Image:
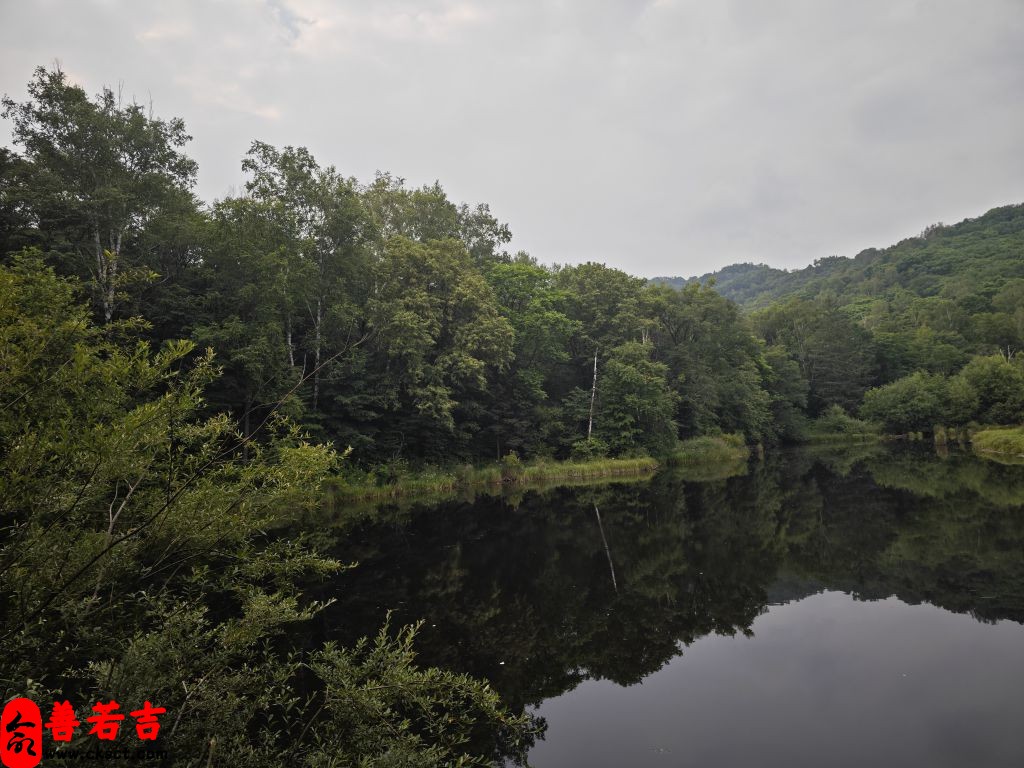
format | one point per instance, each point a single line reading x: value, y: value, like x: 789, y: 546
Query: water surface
x: 858, y: 607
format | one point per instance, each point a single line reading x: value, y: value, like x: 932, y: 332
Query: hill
x: 973, y: 258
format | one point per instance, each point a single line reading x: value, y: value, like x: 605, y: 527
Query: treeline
x: 395, y: 321
x: 378, y: 316
x: 968, y: 263
x: 929, y: 329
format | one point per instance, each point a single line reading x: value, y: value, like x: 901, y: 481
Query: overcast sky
x: 665, y: 137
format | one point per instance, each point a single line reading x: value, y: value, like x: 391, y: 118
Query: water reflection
x: 547, y: 591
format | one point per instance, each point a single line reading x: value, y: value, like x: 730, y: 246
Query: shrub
x: 590, y: 448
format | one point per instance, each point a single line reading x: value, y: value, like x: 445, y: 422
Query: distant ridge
x: 976, y: 256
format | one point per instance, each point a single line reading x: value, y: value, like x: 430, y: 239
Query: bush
x: 913, y: 403
x: 999, y: 387
x: 837, y: 421
x: 588, y: 449
x: 511, y: 467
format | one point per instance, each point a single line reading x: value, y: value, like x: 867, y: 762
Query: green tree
x: 437, y: 329
x: 999, y: 386
x: 323, y: 234
x: 524, y: 413
x: 713, y: 359
x: 637, y: 405
x: 100, y: 171
x: 915, y: 403
x: 835, y: 355
x: 135, y: 561
x: 787, y: 391
x: 243, y: 314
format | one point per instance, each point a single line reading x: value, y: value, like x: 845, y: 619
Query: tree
x: 713, y: 360
x: 100, y: 171
x: 999, y: 386
x: 417, y: 214
x: 637, y: 405
x: 915, y: 403
x: 483, y: 234
x: 787, y: 390
x: 16, y: 226
x: 244, y: 309
x: 324, y: 229
x: 135, y: 560
x: 523, y: 411
x: 437, y: 330
x: 835, y: 355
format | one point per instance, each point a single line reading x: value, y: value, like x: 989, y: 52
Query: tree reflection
x: 543, y: 593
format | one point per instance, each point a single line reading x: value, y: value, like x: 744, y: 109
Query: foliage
x: 98, y: 174
x: 911, y: 404
x: 589, y: 448
x: 988, y: 390
x: 136, y: 561
x: 837, y: 424
x: 834, y: 354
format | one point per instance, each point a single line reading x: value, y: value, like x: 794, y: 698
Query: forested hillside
x: 935, y: 323
x: 971, y: 259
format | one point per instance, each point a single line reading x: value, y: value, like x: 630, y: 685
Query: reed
x: 710, y: 449
x: 434, y: 481
x: 1007, y: 441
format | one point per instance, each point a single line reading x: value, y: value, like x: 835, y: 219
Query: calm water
x: 840, y: 609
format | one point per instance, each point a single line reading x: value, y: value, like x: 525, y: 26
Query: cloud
x: 661, y: 137
x: 164, y: 31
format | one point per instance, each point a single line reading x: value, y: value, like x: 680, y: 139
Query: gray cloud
x: 666, y: 137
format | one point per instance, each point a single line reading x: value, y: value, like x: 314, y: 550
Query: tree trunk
x: 288, y: 339
x: 104, y: 281
x: 593, y: 396
x: 245, y: 429
x: 316, y: 351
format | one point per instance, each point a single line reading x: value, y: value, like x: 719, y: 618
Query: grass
x: 836, y: 426
x: 706, y: 457
x: 710, y: 449
x: 1003, y: 441
x: 431, y: 482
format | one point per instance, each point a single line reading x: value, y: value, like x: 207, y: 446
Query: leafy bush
x: 835, y: 420
x: 590, y: 448
x: 913, y: 403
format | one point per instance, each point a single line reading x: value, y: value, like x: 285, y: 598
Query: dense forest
x: 933, y: 324
x: 179, y: 376
x: 393, y: 321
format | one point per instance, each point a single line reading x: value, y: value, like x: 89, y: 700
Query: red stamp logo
x: 21, y: 734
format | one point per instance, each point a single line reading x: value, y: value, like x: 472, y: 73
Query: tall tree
x: 836, y: 355
x: 324, y: 230
x: 437, y: 329
x: 100, y: 171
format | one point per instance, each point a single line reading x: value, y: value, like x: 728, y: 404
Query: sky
x: 669, y: 137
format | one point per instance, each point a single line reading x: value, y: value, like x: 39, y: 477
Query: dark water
x: 839, y: 609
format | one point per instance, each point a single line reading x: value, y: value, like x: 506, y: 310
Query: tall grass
x: 837, y: 426
x: 507, y: 474
x: 999, y: 440
x: 710, y: 449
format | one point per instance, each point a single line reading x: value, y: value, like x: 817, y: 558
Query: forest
x: 395, y: 322
x: 179, y: 376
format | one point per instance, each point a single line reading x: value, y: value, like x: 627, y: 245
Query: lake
x: 849, y: 607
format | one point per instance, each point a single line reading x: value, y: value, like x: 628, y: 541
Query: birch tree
x: 101, y: 169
